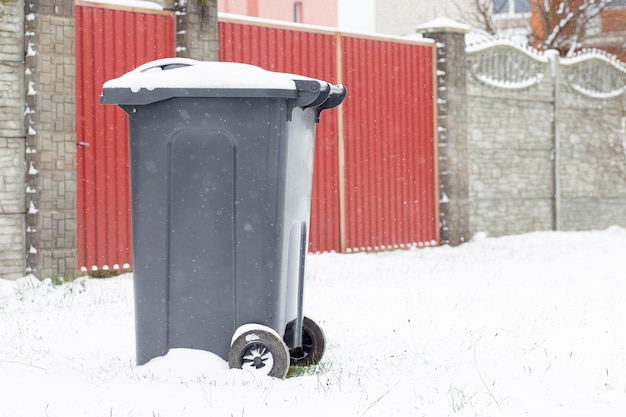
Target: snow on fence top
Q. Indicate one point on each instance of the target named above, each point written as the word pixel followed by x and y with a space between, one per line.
pixel 505 64
pixel 502 63
pixel 596 74
pixel 501 43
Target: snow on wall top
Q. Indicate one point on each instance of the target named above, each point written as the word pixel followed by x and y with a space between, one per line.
pixel 597 54
pixel 495 43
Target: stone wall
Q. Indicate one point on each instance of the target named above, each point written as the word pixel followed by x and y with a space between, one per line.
pixel 50 152
pixel 528 141
pixel 545 141
pixel 591 129
pixel 12 211
pixel 511 143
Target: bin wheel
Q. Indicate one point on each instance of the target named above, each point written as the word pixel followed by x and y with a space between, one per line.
pixel 261 350
pixel 313 343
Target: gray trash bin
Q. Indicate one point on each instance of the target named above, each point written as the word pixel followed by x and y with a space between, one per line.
pixel 221 159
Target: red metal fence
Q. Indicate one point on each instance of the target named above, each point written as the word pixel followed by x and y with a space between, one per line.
pixel 375 160
pixel 375 171
pixel 390 178
pixel 108 43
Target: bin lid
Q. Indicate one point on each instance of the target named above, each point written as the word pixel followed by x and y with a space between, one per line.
pixel 180 77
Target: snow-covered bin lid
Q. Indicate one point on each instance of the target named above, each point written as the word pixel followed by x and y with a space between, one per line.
pixel 180 77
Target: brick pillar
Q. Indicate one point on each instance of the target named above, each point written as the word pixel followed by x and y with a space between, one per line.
pixel 452 127
pixel 12 212
pixel 196 29
pixel 50 151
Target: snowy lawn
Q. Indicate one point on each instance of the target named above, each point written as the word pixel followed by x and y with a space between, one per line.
pixel 529 325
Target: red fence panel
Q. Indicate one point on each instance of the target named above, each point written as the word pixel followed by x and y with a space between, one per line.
pixel 313 54
pixel 109 42
pixel 390 177
pixel 375 176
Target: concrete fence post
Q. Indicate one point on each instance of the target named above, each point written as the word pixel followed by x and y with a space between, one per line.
pixel 452 128
pixel 50 149
pixel 196 29
pixel 12 137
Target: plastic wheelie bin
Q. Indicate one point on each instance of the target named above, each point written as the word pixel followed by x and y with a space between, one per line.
pixel 221 159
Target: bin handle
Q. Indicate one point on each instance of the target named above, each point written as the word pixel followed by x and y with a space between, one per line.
pixel 335 97
pixel 317 95
pixel 166 64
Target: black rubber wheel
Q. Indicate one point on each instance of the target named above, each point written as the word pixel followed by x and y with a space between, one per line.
pixel 313 343
pixel 260 350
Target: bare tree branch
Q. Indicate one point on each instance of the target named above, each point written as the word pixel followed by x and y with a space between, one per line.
pixel 480 13
pixel 484 14
pixel 555 24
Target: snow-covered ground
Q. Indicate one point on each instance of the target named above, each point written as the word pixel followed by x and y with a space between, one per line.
pixel 529 325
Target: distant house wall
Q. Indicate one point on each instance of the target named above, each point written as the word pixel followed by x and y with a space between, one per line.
pixel 312 12
pixel 357 15
pixel 393 17
pixel 401 17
